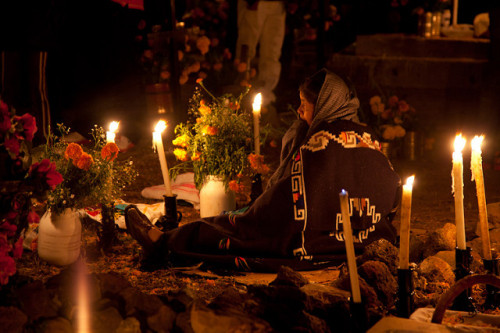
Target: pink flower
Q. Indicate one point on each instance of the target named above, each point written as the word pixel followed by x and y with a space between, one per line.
pixel 5 122
pixel 7 229
pixel 29 125
pixel 33 217
pixel 7 267
pixel 46 172
pixel 17 251
pixel 12 145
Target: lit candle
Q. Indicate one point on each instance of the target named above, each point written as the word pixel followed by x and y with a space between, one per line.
pixel 257 102
pixel 158 145
pixel 110 135
pixel 458 190
pixel 404 229
pixel 349 246
pixel 476 166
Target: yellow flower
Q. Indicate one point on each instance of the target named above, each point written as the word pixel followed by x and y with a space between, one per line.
pixel 181 154
pixel 204 109
pixel 181 141
pixel 196 156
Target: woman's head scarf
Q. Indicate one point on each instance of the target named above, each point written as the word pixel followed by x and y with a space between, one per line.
pixel 335 101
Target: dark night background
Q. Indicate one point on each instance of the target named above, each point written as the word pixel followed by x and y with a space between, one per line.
pixel 92 51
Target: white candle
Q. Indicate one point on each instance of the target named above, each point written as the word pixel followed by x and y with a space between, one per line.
pixel 476 166
pixel 455 12
pixel 110 135
pixel 349 246
pixel 158 145
pixel 404 229
pixel 458 190
pixel 257 102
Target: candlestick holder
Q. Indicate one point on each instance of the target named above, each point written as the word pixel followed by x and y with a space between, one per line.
pixel 492 293
pixel 404 303
pixel 463 259
pixel 108 236
pixel 256 189
pixel 172 217
pixel 359 316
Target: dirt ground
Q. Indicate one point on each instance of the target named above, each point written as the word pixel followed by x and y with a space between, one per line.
pixel 432 207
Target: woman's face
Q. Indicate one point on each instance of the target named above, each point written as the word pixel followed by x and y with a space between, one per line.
pixel 306 109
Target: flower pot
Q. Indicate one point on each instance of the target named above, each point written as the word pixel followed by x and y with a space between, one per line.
pixel 214 199
pixel 60 237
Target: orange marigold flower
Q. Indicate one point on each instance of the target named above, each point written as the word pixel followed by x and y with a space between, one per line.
pixel 393 101
pixel 210 130
pixel 403 106
pixel 235 186
pixel 180 154
pixel 257 163
pixel 234 105
pixel 84 162
pixel 204 109
pixel 198 120
pixel 196 156
pixel 199 80
pixel 110 151
pixel 181 141
pixel 73 151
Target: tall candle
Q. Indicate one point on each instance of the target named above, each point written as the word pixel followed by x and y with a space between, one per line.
pixel 455 12
pixel 158 145
pixel 458 190
pixel 257 102
pixel 404 231
pixel 349 246
pixel 110 135
pixel 477 176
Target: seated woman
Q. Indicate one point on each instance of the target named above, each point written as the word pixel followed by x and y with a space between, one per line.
pixel 297 221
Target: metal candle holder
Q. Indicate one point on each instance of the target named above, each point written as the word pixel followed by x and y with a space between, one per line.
pixel 492 293
pixel 404 304
pixel 256 190
pixel 172 217
pixel 108 236
pixel 463 259
pixel 359 316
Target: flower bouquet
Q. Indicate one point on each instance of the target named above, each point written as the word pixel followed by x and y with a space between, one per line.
pixel 20 183
pixel 392 119
pixel 217 140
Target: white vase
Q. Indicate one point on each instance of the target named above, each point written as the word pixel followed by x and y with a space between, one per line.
pixel 214 199
pixel 60 237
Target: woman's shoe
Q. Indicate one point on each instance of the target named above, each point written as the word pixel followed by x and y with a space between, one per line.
pixel 138 226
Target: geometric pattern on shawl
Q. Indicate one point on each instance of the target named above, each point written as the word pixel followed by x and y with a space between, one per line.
pixel 349 139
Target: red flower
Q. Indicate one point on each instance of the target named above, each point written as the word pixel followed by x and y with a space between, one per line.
pixel 17 251
pixel 12 145
pixel 5 122
pixel 46 171
pixel 33 217
pixel 7 229
pixel 7 267
pixel 29 125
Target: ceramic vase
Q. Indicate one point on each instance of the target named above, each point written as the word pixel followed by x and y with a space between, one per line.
pixel 60 237
pixel 214 199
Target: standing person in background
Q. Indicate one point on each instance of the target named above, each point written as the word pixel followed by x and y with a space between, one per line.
pixel 262 23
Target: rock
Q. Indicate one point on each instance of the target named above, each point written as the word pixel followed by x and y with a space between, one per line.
pixel 377 275
pixel 493 210
pixel 129 325
pixel 35 301
pixel 436 270
pixel 59 324
pixel 112 283
pixel 442 239
pixel 230 297
pixel 136 302
pixel 368 294
pixel 183 322
pixel 12 319
pixel 105 320
pixel 314 324
pixel 163 320
pixel 448 256
pixel 288 277
pixel 417 246
pixel 328 303
pixel 495 242
pixel 181 300
pixel 206 320
pixel 381 250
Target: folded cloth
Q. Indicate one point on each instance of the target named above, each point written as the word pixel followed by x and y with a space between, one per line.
pixel 183 186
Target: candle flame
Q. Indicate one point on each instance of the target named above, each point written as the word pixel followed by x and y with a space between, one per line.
pixel 343 192
pixel 476 143
pixel 257 102
pixel 459 143
pixel 409 181
pixel 160 126
pixel 113 126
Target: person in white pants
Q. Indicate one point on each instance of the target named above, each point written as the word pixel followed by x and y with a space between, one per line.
pixel 263 23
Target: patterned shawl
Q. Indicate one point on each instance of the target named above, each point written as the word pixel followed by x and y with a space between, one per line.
pixel 335 101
